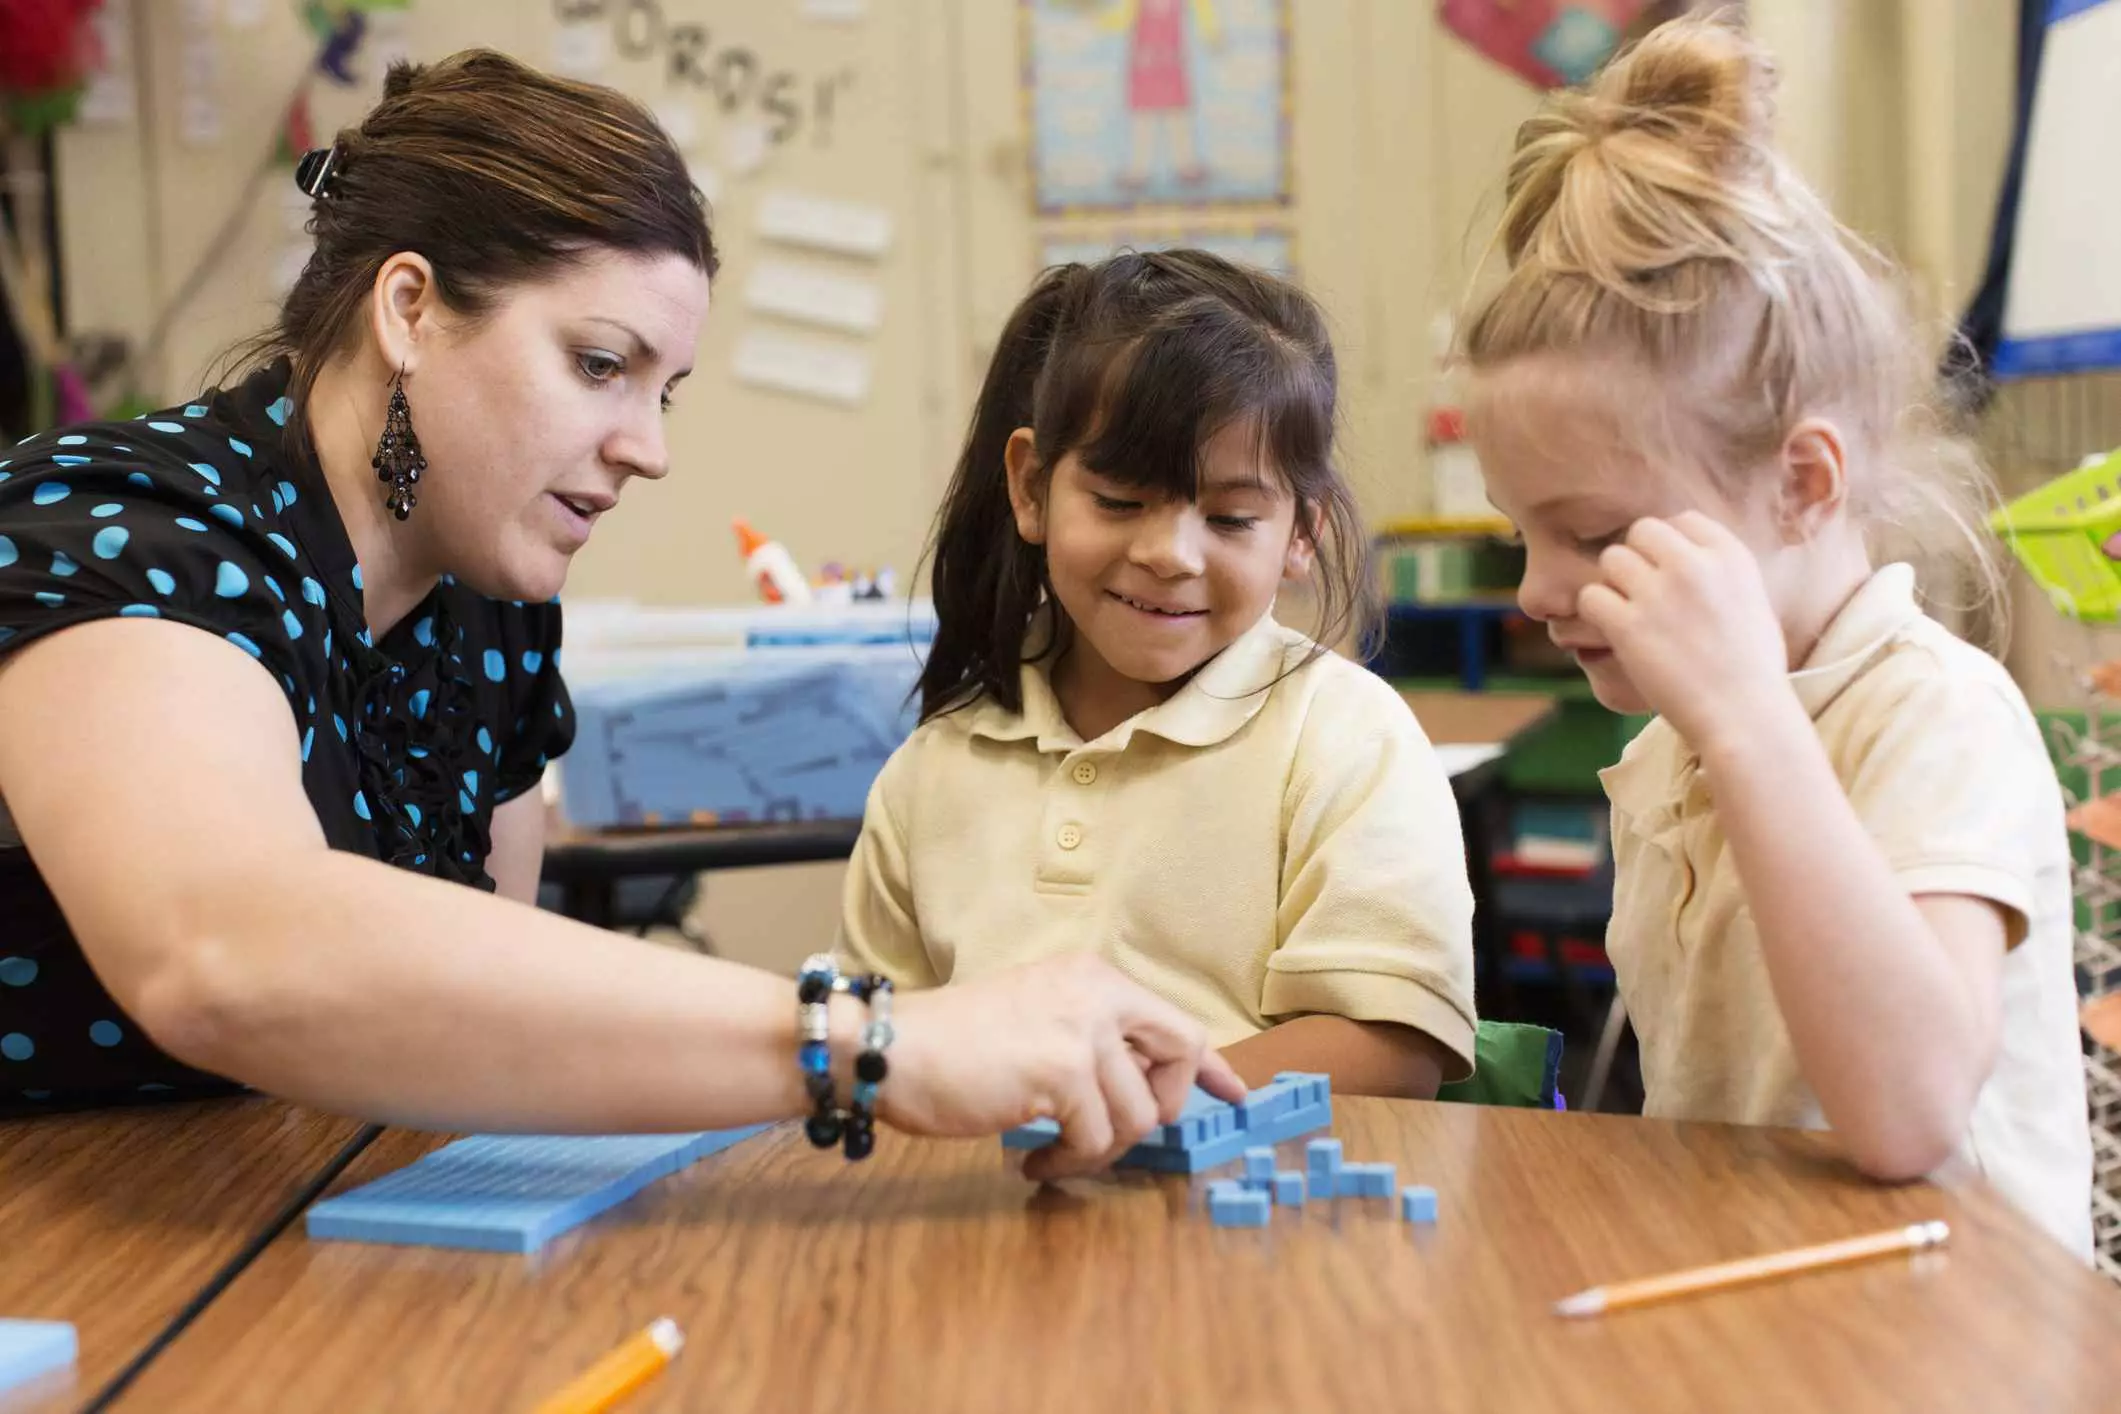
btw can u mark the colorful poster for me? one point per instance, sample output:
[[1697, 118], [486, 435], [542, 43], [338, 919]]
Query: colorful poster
[[1550, 43], [1269, 248], [1157, 102]]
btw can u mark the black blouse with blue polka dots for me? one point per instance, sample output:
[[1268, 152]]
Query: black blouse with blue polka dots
[[213, 515]]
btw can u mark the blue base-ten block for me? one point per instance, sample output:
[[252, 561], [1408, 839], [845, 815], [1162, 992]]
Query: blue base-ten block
[[510, 1193], [31, 1349], [1210, 1132], [1417, 1204], [1244, 1209]]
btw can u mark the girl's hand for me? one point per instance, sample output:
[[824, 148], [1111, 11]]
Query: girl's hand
[[1687, 616], [1069, 1039]]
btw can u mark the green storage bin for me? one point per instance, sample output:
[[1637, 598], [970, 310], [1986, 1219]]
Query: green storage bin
[[1564, 754]]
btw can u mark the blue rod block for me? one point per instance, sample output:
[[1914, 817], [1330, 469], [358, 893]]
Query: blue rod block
[[510, 1193], [1259, 1162], [1289, 1188]]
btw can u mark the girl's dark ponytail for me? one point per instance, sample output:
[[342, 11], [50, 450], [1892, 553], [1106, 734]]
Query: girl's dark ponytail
[[987, 581]]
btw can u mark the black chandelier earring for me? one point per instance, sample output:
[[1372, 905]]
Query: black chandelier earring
[[398, 459]]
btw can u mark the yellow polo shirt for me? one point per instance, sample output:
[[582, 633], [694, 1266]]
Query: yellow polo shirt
[[1251, 849], [1944, 763]]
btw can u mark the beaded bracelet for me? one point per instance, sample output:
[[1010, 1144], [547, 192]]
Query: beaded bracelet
[[828, 1124]]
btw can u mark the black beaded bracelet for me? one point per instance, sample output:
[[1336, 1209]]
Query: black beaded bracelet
[[828, 1124]]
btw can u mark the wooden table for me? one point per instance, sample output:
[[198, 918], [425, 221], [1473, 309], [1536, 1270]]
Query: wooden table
[[933, 1278], [114, 1220]]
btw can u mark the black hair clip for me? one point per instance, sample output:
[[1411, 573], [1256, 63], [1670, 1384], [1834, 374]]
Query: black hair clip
[[313, 173]]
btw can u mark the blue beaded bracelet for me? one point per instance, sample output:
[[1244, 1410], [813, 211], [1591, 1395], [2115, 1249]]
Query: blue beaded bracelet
[[855, 1126]]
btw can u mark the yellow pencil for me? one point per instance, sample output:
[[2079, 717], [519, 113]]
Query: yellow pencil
[[620, 1373], [1621, 1295]]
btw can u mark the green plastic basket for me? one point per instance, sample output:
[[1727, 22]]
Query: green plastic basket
[[2059, 533]]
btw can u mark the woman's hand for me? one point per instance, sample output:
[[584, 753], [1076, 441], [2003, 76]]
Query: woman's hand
[[1069, 1039]]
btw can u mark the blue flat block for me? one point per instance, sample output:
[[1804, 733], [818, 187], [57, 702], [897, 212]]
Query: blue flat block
[[1322, 1159], [510, 1193], [1240, 1210], [1224, 1188], [1365, 1181], [1259, 1162], [1289, 1188], [29, 1349], [1417, 1204]]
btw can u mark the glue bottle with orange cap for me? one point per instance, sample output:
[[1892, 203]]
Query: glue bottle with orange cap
[[771, 567]]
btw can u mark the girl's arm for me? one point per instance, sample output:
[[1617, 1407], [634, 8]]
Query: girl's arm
[[1374, 971], [1363, 1057], [1893, 1003]]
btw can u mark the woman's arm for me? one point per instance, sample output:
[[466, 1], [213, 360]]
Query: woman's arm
[[155, 775], [518, 855]]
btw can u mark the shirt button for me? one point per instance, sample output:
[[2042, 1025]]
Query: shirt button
[[1069, 837], [1085, 773]]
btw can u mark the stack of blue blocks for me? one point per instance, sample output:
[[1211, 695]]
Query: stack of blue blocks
[[1211, 1132]]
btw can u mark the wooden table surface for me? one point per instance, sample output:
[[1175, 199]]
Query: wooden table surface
[[114, 1220], [933, 1278]]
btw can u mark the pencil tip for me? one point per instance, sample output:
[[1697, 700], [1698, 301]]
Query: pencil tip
[[1583, 1303]]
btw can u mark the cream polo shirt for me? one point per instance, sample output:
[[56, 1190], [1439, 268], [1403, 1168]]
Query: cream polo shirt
[[1945, 766], [1251, 849]]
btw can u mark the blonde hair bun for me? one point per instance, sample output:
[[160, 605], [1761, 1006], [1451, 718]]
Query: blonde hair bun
[[1665, 158]]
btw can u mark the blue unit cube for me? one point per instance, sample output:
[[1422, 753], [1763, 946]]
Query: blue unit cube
[[1238, 1210], [1417, 1204], [30, 1349], [1259, 1162], [1289, 1188]]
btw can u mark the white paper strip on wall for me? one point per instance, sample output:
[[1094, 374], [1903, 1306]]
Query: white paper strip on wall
[[680, 121], [111, 96], [580, 50], [199, 87], [744, 147], [842, 227], [842, 11], [820, 297], [811, 368], [243, 14]]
